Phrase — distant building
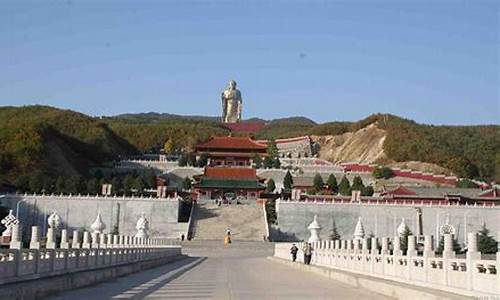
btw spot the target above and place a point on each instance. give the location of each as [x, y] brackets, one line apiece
[231, 151]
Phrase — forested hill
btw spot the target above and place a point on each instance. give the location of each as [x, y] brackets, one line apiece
[45, 141]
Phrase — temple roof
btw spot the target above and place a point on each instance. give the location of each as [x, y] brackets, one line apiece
[232, 143]
[230, 173]
[229, 183]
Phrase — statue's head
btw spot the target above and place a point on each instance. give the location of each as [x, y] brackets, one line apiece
[232, 84]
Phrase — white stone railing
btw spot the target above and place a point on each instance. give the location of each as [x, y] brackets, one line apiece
[88, 196]
[470, 276]
[96, 251]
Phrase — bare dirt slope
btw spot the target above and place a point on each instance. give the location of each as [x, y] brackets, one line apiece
[363, 146]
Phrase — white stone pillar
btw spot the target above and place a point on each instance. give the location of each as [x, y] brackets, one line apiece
[385, 246]
[122, 241]
[76, 240]
[412, 246]
[86, 240]
[472, 252]
[110, 240]
[35, 238]
[428, 246]
[448, 246]
[51, 242]
[374, 246]
[64, 239]
[15, 238]
[397, 246]
[364, 246]
[337, 245]
[116, 241]
[95, 240]
[102, 240]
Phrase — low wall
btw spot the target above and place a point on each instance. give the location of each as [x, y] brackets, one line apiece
[381, 219]
[469, 276]
[79, 212]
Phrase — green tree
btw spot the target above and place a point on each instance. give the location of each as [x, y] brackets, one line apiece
[36, 183]
[168, 147]
[271, 211]
[383, 172]
[187, 184]
[288, 181]
[485, 242]
[272, 149]
[150, 178]
[93, 186]
[191, 160]
[334, 235]
[74, 185]
[202, 160]
[404, 239]
[345, 186]
[183, 160]
[138, 185]
[466, 183]
[271, 186]
[357, 184]
[367, 191]
[332, 184]
[276, 163]
[60, 185]
[128, 184]
[257, 161]
[268, 162]
[318, 183]
[116, 185]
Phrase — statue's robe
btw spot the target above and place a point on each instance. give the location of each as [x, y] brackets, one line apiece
[232, 111]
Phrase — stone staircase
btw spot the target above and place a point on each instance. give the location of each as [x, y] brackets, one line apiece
[246, 222]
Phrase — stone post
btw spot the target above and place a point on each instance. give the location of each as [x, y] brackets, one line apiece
[412, 246]
[102, 240]
[122, 241]
[76, 240]
[385, 246]
[15, 238]
[448, 246]
[95, 240]
[51, 242]
[428, 246]
[337, 246]
[472, 253]
[110, 240]
[35, 238]
[397, 246]
[64, 239]
[86, 240]
[344, 246]
[356, 247]
[374, 246]
[364, 246]
[116, 241]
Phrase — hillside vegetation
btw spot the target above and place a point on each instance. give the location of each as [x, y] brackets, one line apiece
[52, 142]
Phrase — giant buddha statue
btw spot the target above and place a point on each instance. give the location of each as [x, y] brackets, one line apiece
[231, 104]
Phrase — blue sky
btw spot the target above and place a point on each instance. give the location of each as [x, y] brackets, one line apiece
[431, 61]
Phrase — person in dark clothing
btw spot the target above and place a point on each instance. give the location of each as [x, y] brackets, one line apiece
[308, 249]
[293, 252]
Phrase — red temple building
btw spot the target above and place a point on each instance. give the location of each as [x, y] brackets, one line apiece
[229, 174]
[231, 151]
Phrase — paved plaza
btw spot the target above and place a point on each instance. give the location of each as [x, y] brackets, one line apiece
[223, 274]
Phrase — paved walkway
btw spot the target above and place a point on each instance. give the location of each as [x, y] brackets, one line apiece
[221, 277]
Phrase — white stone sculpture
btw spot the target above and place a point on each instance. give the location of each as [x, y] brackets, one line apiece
[54, 220]
[447, 228]
[9, 221]
[359, 231]
[98, 226]
[142, 227]
[314, 228]
[402, 227]
[231, 104]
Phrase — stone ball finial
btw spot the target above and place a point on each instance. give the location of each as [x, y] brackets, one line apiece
[98, 226]
[54, 220]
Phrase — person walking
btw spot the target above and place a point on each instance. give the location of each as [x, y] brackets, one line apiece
[308, 250]
[293, 252]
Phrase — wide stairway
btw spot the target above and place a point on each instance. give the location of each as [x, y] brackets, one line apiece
[246, 221]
